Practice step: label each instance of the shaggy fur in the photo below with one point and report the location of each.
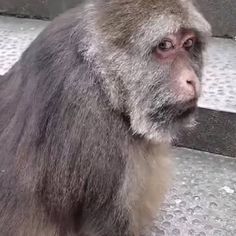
(83, 132)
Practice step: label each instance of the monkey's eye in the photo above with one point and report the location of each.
(188, 44)
(165, 45)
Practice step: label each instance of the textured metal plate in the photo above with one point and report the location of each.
(219, 81)
(202, 201)
(15, 36)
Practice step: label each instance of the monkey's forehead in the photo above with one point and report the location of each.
(149, 18)
(181, 15)
(163, 25)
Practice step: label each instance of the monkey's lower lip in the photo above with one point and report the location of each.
(176, 112)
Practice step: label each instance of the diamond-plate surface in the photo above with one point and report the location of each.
(202, 201)
(15, 36)
(219, 81)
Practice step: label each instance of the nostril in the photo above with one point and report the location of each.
(191, 87)
(190, 82)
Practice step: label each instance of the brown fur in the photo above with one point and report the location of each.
(86, 117)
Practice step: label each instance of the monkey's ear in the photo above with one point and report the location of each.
(197, 21)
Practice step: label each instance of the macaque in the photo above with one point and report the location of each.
(88, 113)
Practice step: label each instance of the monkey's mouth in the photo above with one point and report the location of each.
(185, 113)
(174, 113)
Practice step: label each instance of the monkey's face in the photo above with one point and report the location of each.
(155, 49)
(163, 94)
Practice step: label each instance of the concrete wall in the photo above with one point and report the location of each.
(220, 13)
(36, 8)
(32, 8)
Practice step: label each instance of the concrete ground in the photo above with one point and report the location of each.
(202, 200)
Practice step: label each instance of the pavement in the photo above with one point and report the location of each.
(202, 199)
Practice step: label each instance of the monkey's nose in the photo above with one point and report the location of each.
(190, 85)
(194, 84)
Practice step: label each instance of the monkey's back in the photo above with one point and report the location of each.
(61, 143)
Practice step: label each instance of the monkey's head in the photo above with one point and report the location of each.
(149, 53)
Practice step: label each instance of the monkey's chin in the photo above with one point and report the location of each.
(171, 133)
(163, 133)
(160, 137)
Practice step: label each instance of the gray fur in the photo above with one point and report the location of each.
(72, 107)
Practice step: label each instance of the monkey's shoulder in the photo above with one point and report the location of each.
(146, 182)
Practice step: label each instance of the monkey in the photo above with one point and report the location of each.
(88, 115)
